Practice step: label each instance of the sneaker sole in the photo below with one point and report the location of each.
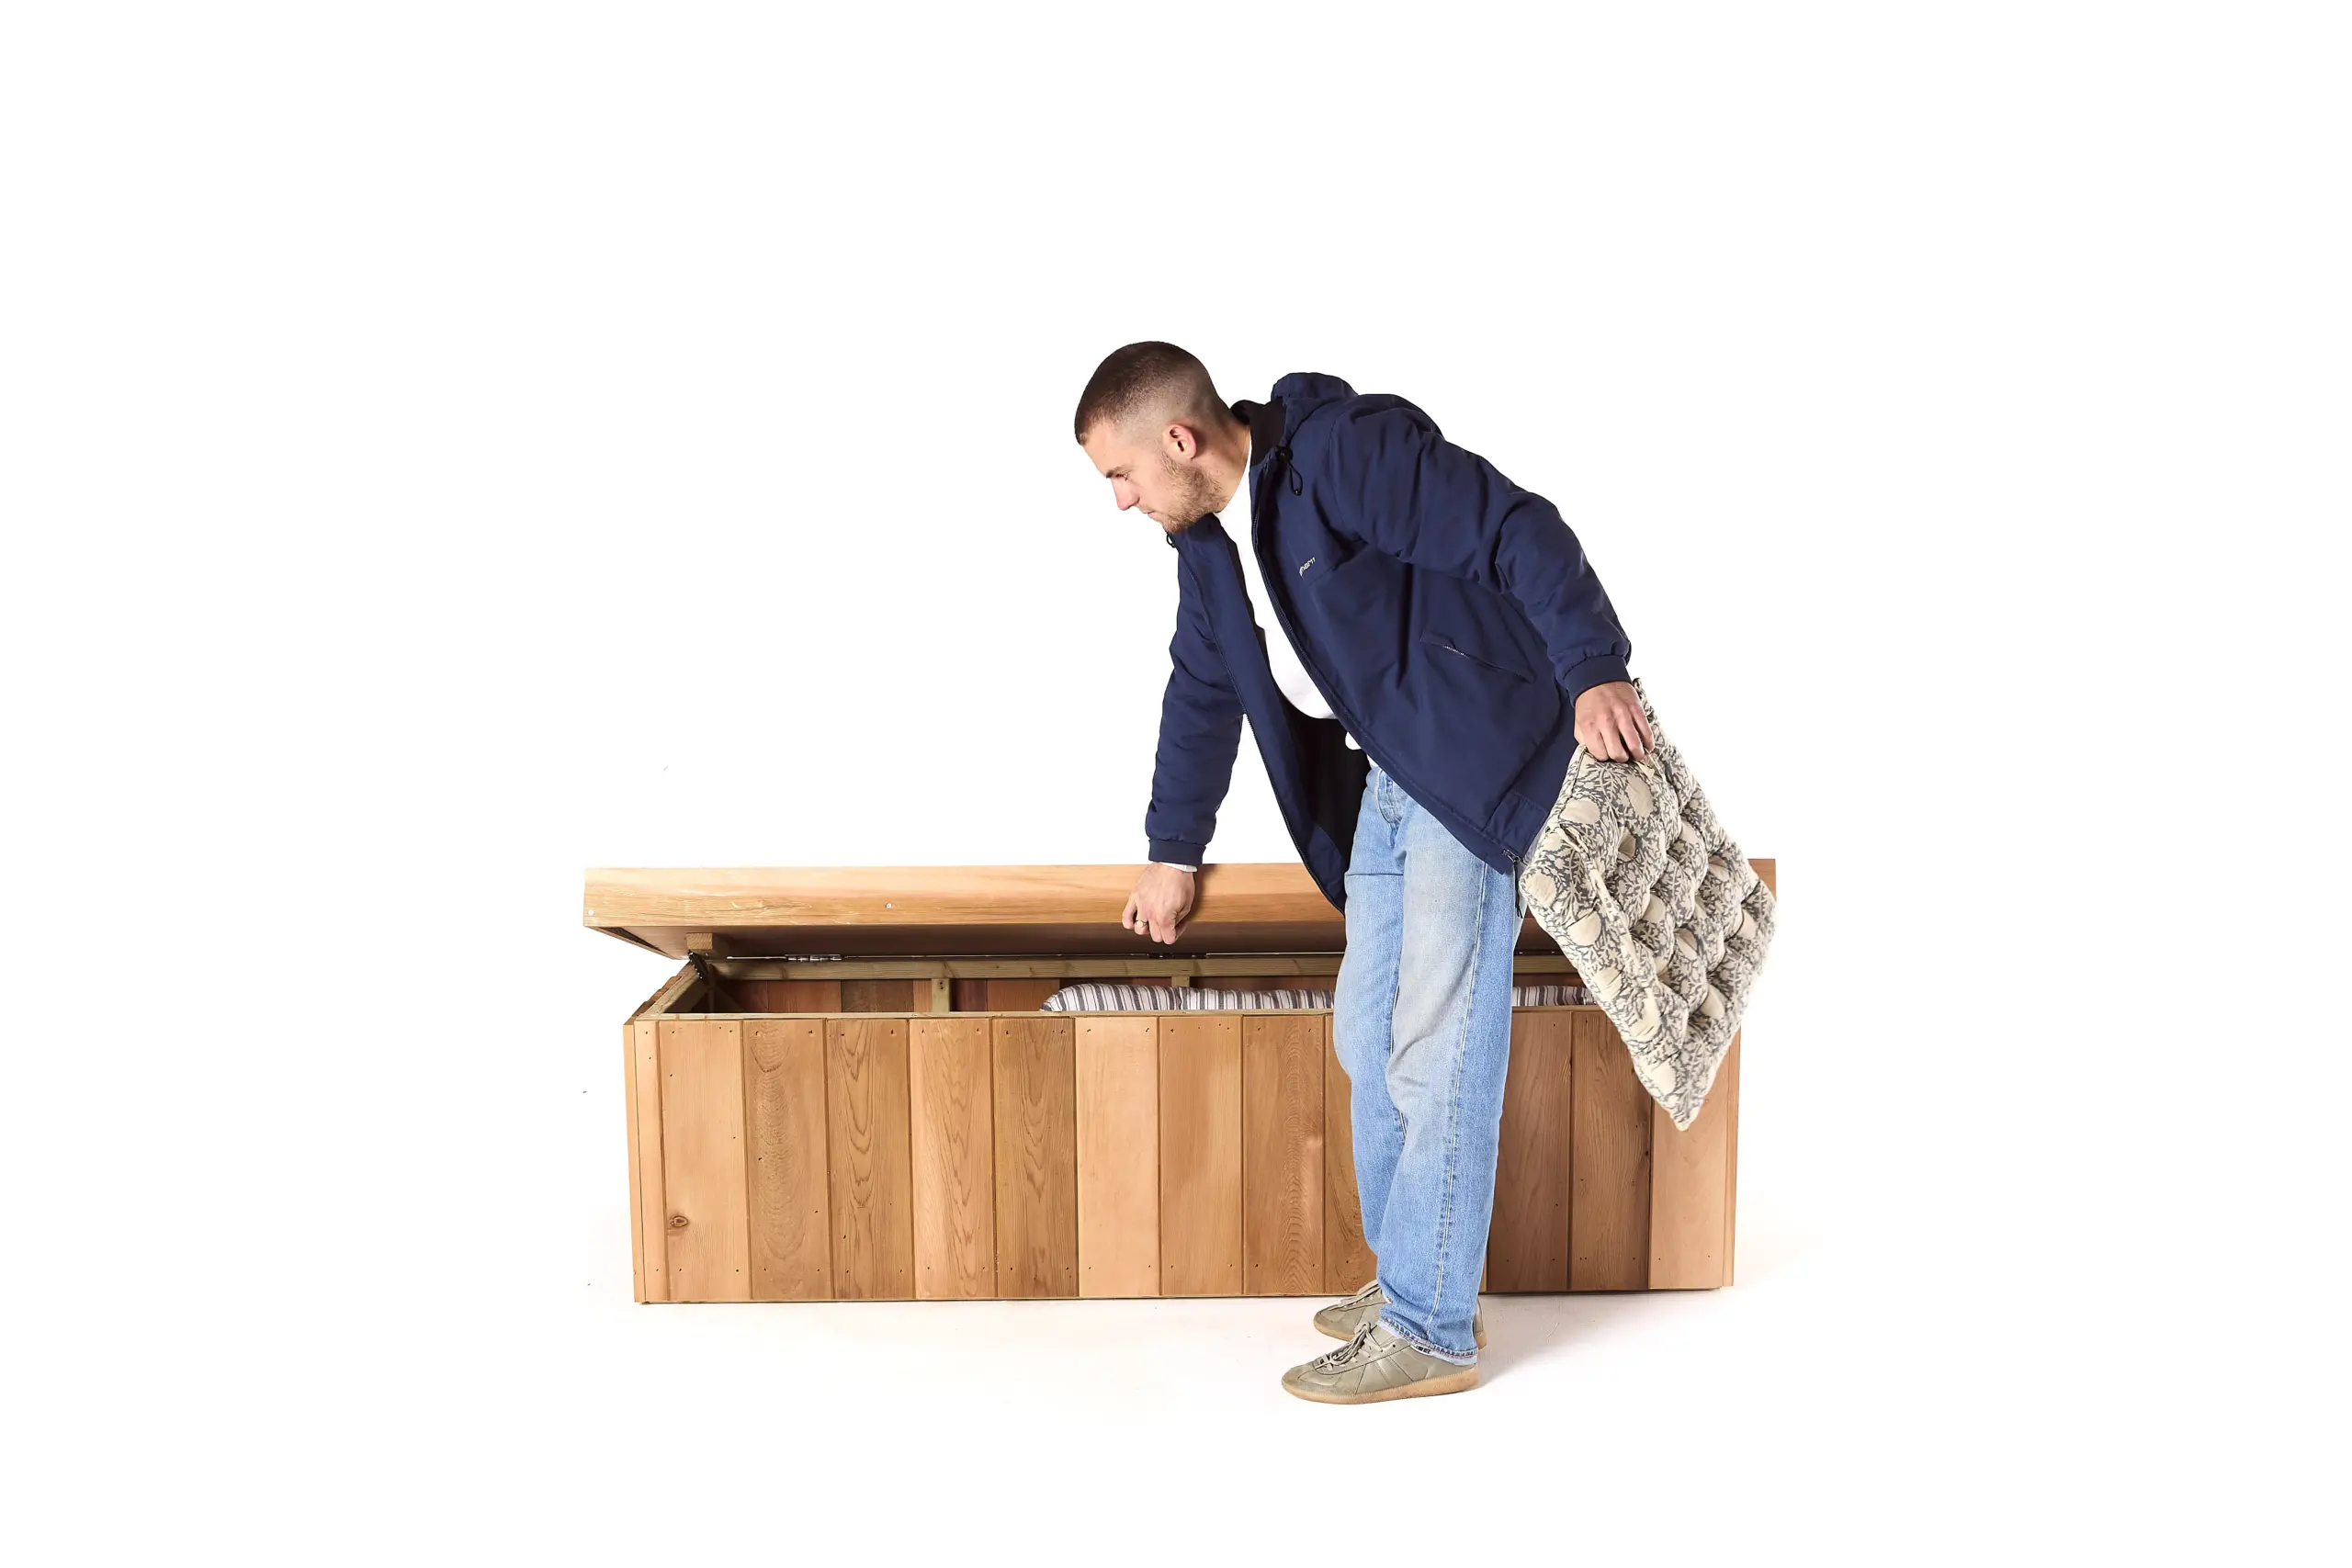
(1451, 1382)
(1477, 1333)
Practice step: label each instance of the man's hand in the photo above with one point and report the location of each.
(1160, 903)
(1611, 724)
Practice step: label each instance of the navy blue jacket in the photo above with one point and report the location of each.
(1448, 616)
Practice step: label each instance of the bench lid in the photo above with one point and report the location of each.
(930, 911)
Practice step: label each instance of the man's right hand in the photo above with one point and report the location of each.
(1160, 904)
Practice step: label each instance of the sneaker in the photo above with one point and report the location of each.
(1375, 1365)
(1342, 1318)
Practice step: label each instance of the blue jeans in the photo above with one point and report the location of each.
(1421, 1024)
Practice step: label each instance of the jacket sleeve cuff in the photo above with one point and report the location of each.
(1597, 671)
(1178, 852)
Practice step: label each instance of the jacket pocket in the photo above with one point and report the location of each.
(1449, 644)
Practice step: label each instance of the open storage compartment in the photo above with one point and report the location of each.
(849, 1091)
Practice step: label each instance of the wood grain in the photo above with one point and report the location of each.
(1527, 1245)
(869, 1177)
(790, 996)
(1021, 994)
(1769, 871)
(1118, 1157)
(1727, 1084)
(1348, 1262)
(1608, 1161)
(1273, 906)
(784, 1126)
(1687, 1194)
(952, 1155)
(1282, 1155)
(879, 996)
(653, 1207)
(636, 1177)
(1036, 1156)
(1200, 1156)
(707, 1235)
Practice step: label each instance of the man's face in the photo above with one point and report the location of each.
(1154, 469)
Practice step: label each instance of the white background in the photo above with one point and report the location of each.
(443, 447)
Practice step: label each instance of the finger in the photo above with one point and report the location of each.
(1127, 916)
(1649, 737)
(1612, 744)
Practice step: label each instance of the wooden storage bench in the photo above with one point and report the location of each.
(850, 1092)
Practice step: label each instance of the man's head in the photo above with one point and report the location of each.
(1151, 421)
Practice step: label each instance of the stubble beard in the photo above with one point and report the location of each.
(1195, 495)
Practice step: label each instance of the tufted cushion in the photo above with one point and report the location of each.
(1663, 917)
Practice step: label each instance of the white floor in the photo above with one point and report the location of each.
(382, 1313)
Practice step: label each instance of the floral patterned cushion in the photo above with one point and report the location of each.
(1663, 916)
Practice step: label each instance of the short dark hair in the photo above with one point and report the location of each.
(1142, 377)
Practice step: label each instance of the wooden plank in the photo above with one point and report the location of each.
(1348, 1262)
(636, 1180)
(707, 1235)
(869, 1178)
(1004, 993)
(1687, 1191)
(879, 996)
(1281, 1153)
(1200, 1155)
(1036, 1156)
(1608, 1161)
(1273, 906)
(652, 1208)
(1118, 1157)
(790, 996)
(673, 990)
(953, 1158)
(1527, 1244)
(784, 1126)
(1727, 1084)
(1019, 996)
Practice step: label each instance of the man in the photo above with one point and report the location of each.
(1420, 646)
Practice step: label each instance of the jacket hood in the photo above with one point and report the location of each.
(1303, 391)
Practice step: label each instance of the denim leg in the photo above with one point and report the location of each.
(1454, 920)
(1365, 998)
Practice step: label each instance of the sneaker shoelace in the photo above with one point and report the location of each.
(1332, 1361)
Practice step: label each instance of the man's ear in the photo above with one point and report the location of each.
(1180, 441)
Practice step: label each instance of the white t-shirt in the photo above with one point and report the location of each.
(1289, 674)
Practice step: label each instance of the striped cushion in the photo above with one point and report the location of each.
(1091, 995)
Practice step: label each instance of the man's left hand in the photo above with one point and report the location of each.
(1611, 724)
